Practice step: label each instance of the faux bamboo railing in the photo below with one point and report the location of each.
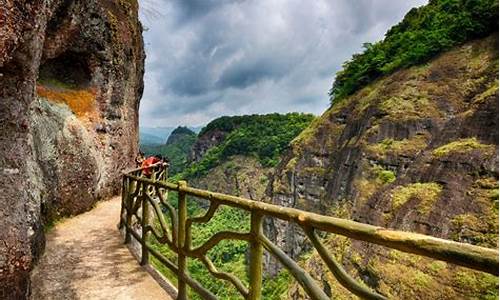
(149, 192)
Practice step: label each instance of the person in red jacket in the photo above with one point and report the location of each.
(149, 162)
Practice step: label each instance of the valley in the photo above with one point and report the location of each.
(414, 148)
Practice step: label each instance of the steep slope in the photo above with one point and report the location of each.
(240, 175)
(414, 151)
(71, 79)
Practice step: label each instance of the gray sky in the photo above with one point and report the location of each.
(208, 58)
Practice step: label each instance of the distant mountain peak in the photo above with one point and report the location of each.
(183, 130)
(179, 133)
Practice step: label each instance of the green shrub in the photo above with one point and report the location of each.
(386, 176)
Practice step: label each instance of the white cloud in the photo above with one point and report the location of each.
(208, 58)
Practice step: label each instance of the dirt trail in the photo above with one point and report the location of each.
(85, 258)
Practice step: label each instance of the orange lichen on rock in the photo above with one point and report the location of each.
(81, 101)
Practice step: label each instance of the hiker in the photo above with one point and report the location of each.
(149, 162)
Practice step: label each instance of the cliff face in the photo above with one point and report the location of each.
(71, 80)
(206, 141)
(240, 175)
(415, 151)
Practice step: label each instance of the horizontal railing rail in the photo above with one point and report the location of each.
(148, 194)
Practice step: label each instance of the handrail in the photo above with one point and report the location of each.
(141, 168)
(139, 191)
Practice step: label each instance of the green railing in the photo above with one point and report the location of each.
(146, 194)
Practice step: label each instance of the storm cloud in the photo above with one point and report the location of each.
(208, 58)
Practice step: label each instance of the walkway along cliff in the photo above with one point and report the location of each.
(70, 83)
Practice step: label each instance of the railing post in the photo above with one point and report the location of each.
(145, 219)
(122, 209)
(256, 253)
(165, 173)
(181, 242)
(128, 215)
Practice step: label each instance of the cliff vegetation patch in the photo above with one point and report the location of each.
(405, 147)
(426, 193)
(462, 146)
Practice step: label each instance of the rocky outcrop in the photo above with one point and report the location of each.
(239, 176)
(71, 79)
(414, 151)
(206, 141)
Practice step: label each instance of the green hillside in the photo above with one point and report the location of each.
(262, 136)
(423, 33)
(252, 143)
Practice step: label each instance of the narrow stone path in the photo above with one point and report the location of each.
(85, 258)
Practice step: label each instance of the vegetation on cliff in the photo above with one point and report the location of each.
(462, 146)
(414, 151)
(423, 33)
(410, 143)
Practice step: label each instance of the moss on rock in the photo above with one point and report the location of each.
(491, 91)
(410, 103)
(478, 285)
(80, 101)
(462, 146)
(405, 147)
(386, 176)
(426, 193)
